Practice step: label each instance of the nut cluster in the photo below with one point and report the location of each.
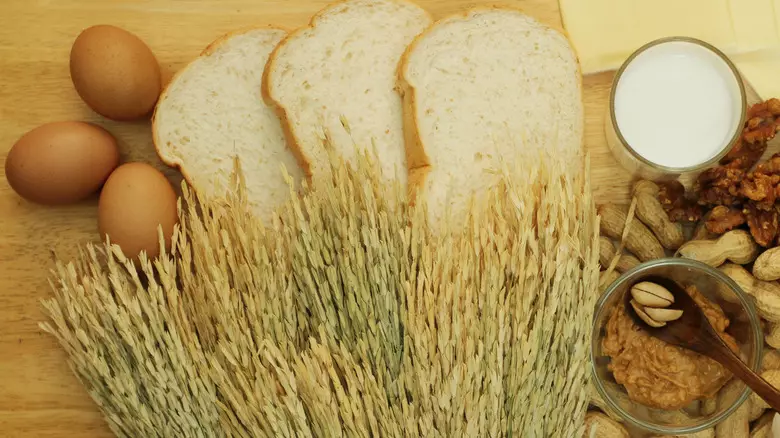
(654, 231)
(739, 191)
(651, 301)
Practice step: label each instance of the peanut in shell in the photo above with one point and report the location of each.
(651, 295)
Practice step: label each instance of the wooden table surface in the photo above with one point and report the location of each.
(39, 396)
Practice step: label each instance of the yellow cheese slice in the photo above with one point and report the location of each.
(755, 26)
(763, 74)
(602, 31)
(707, 20)
(776, 10)
(605, 32)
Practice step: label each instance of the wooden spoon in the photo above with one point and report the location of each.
(694, 332)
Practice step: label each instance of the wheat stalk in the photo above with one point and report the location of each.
(347, 315)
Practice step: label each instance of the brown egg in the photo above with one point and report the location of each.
(115, 73)
(61, 162)
(136, 199)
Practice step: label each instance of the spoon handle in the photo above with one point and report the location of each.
(733, 363)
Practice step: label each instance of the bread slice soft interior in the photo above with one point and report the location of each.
(337, 77)
(213, 112)
(488, 85)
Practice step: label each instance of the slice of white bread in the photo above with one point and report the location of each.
(337, 77)
(482, 87)
(213, 111)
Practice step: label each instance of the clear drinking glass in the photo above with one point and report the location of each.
(640, 166)
(745, 327)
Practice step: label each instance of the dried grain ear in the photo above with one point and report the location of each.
(342, 317)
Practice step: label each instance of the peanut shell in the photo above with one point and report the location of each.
(651, 295)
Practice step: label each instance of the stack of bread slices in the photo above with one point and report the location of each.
(443, 104)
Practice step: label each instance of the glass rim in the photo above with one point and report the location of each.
(744, 300)
(738, 128)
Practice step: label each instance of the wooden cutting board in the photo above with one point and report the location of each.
(39, 396)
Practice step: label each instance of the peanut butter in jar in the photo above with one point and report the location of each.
(660, 375)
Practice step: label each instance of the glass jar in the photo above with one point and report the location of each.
(744, 326)
(677, 106)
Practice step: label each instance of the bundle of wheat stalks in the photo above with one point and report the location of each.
(348, 316)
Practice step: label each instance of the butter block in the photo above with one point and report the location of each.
(755, 25)
(602, 31)
(606, 32)
(708, 20)
(762, 73)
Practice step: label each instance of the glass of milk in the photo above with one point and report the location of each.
(677, 106)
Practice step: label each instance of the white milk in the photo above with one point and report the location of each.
(678, 104)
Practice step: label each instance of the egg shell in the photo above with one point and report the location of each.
(136, 199)
(61, 162)
(115, 73)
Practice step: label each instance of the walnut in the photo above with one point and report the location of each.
(733, 193)
(670, 192)
(763, 132)
(770, 166)
(760, 188)
(722, 219)
(763, 185)
(761, 124)
(760, 127)
(773, 106)
(762, 223)
(678, 207)
(719, 186)
(744, 155)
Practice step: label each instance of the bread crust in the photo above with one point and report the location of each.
(565, 34)
(418, 163)
(265, 91)
(208, 51)
(417, 159)
(293, 141)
